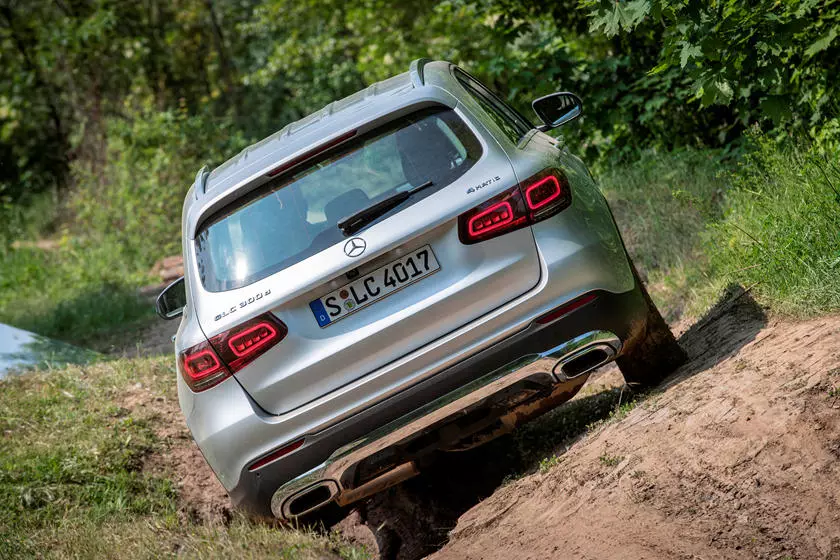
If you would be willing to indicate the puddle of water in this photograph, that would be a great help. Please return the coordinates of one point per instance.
(21, 350)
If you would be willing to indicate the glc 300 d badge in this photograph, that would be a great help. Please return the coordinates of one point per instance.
(355, 247)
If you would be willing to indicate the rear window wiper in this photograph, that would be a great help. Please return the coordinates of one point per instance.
(360, 219)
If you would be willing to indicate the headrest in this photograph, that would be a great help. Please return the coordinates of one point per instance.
(426, 152)
(345, 204)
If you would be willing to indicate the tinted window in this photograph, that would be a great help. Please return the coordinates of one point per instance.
(295, 216)
(509, 120)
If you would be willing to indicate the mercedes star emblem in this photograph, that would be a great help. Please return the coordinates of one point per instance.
(355, 247)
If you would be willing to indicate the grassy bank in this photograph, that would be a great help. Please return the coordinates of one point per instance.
(780, 234)
(695, 223)
(73, 483)
(77, 291)
(663, 204)
(107, 231)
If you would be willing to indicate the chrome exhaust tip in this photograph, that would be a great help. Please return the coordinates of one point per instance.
(309, 499)
(584, 361)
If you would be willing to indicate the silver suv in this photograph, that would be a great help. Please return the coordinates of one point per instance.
(412, 270)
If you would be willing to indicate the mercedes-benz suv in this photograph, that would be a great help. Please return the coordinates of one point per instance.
(411, 270)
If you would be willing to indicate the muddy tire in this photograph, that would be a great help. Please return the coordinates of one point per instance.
(655, 353)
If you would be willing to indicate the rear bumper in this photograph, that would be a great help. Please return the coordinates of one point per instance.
(478, 410)
(327, 455)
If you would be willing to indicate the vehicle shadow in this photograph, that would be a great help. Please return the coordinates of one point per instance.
(413, 520)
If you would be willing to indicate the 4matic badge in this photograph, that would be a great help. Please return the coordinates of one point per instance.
(486, 183)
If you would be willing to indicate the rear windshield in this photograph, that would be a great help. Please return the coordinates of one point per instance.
(295, 216)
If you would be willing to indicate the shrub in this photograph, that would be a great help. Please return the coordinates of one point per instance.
(122, 219)
(152, 160)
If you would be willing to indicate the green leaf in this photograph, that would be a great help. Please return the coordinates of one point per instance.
(622, 16)
(658, 69)
(822, 43)
(777, 107)
(689, 51)
(725, 90)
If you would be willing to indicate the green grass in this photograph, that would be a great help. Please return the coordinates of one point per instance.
(662, 203)
(72, 483)
(75, 292)
(695, 223)
(781, 231)
(610, 460)
(548, 463)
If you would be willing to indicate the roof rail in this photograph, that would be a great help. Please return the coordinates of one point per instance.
(415, 70)
(201, 181)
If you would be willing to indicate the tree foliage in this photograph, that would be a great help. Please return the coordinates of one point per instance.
(765, 58)
(662, 73)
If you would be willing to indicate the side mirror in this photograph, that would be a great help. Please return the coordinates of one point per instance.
(556, 109)
(171, 301)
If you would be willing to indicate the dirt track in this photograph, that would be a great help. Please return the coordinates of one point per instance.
(735, 456)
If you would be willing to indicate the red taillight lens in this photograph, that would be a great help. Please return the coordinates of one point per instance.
(209, 363)
(246, 342)
(543, 192)
(503, 213)
(252, 339)
(546, 193)
(201, 367)
(495, 217)
(538, 198)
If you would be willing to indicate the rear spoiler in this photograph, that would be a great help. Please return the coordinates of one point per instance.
(415, 70)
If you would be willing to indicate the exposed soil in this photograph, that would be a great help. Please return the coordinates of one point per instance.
(201, 496)
(736, 457)
(153, 340)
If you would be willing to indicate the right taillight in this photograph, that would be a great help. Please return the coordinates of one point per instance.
(209, 363)
(537, 198)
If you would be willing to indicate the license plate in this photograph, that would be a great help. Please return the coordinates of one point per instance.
(377, 285)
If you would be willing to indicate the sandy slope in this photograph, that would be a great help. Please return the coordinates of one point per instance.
(737, 457)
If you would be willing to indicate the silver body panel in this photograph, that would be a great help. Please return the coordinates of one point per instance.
(316, 378)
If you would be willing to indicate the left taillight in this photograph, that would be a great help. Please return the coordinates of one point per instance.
(209, 363)
(201, 367)
(539, 197)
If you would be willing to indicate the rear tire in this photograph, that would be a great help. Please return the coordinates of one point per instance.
(655, 354)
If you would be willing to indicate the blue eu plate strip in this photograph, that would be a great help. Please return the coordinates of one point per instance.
(320, 313)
